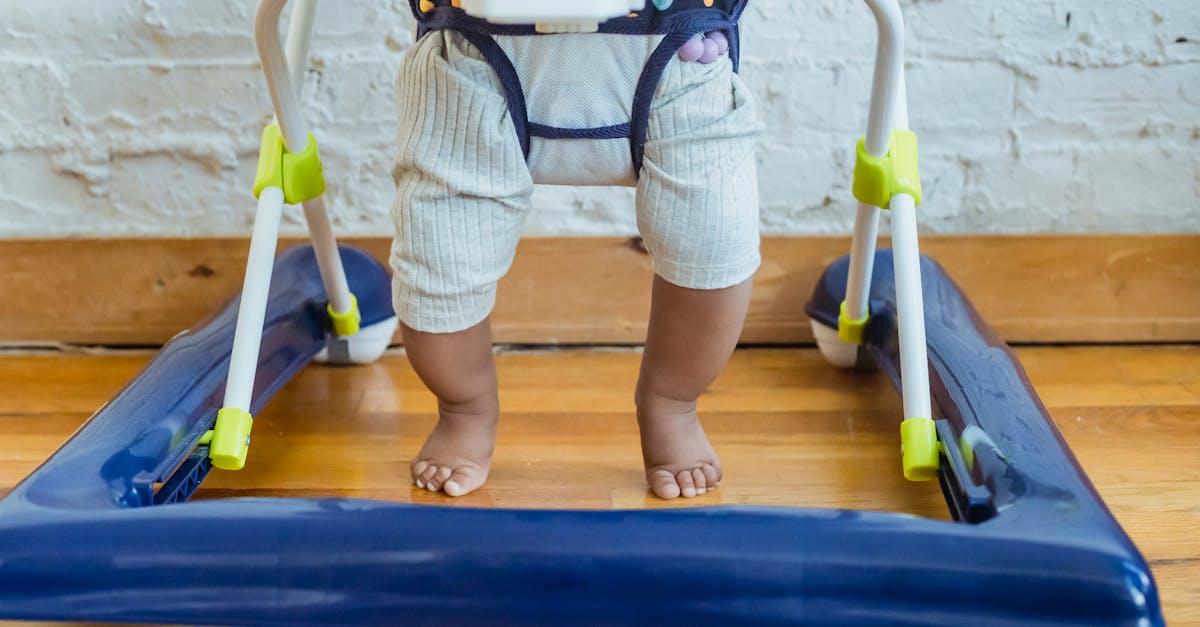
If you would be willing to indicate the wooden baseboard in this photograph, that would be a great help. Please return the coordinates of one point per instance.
(1035, 289)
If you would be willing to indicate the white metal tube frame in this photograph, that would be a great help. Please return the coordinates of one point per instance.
(889, 111)
(285, 80)
(284, 74)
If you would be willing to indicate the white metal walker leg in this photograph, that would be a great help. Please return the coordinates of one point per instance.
(889, 113)
(285, 78)
(368, 343)
(230, 439)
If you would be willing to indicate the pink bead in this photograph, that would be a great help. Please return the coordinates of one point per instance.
(711, 52)
(693, 49)
(721, 39)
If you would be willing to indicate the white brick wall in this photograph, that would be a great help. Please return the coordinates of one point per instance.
(141, 117)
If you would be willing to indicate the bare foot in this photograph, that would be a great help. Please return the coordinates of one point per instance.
(679, 459)
(457, 454)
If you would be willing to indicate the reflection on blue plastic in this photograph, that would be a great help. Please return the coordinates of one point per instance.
(88, 536)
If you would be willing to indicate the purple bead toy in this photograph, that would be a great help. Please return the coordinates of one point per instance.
(721, 39)
(704, 48)
(693, 49)
(711, 52)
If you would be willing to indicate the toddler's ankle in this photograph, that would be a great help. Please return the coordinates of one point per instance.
(484, 404)
(651, 402)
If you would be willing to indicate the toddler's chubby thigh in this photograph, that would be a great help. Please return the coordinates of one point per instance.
(698, 187)
(462, 187)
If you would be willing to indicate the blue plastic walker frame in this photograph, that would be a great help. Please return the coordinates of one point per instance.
(89, 536)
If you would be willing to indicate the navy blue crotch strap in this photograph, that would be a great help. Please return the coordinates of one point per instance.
(677, 20)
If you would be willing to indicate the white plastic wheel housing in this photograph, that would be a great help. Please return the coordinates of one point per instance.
(363, 347)
(838, 353)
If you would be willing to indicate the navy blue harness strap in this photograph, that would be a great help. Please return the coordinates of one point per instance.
(616, 131)
(500, 62)
(643, 97)
(677, 28)
(650, 22)
(510, 80)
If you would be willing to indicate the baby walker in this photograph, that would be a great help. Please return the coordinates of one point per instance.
(102, 530)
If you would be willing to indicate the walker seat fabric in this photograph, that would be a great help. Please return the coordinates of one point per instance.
(674, 24)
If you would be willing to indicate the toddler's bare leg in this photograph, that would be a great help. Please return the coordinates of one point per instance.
(460, 371)
(692, 335)
(462, 193)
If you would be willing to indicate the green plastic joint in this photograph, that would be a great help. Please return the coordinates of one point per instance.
(300, 174)
(230, 442)
(851, 331)
(919, 449)
(345, 324)
(878, 179)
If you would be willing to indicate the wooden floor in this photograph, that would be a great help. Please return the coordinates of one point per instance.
(790, 431)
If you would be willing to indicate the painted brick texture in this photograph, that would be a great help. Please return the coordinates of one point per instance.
(142, 117)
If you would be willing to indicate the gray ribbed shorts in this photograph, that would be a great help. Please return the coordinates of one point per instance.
(463, 185)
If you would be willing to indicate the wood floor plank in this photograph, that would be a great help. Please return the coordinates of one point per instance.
(790, 432)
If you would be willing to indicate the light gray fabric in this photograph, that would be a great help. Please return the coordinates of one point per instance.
(463, 187)
(589, 83)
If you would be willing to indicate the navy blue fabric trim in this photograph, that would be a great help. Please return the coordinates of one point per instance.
(643, 98)
(734, 35)
(504, 69)
(450, 18)
(616, 131)
(416, 11)
(648, 22)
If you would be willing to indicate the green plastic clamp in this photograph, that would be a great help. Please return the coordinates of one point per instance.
(347, 324)
(878, 179)
(919, 449)
(851, 331)
(230, 439)
(300, 175)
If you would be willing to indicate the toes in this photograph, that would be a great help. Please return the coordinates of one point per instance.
(699, 480)
(663, 484)
(417, 469)
(435, 483)
(687, 487)
(712, 476)
(453, 481)
(426, 476)
(462, 482)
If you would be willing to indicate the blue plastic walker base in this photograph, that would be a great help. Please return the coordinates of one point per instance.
(100, 532)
